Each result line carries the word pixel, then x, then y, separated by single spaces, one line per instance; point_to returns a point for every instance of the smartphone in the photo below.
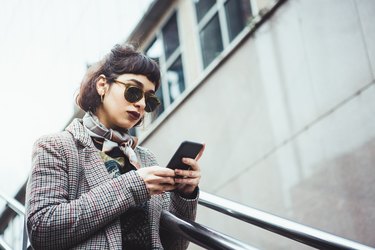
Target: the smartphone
pixel 187 149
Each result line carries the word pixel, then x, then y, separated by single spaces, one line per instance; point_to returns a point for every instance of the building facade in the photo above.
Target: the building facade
pixel 283 95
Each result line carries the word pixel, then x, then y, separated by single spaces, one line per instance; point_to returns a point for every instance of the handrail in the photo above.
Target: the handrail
pixel 200 235
pixel 212 239
pixel 192 231
pixel 4 245
pixel 19 209
pixel 287 228
pixel 15 205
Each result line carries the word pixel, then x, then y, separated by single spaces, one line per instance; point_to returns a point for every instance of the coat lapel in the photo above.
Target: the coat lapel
pixel 94 168
pixel 93 165
pixel 96 174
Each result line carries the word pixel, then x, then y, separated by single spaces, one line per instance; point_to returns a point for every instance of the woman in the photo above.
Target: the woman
pixel 91 186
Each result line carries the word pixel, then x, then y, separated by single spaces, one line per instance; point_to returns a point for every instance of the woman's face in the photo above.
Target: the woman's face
pixel 115 111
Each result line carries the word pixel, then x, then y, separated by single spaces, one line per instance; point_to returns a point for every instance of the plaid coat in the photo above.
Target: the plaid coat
pixel 72 202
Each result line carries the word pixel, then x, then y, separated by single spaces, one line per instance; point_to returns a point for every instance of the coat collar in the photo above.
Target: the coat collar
pixel 79 133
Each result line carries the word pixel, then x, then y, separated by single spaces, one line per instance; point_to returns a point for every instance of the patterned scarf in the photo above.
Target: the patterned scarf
pixel 112 138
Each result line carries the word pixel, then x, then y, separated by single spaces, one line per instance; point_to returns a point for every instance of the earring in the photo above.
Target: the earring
pixel 102 97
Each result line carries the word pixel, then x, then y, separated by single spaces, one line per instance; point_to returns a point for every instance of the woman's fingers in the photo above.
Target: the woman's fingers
pixel 163 172
pixel 187 181
pixel 191 162
pixel 187 173
pixel 161 180
pixel 157 179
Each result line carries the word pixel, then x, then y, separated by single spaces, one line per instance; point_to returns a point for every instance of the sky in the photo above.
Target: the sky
pixel 45 46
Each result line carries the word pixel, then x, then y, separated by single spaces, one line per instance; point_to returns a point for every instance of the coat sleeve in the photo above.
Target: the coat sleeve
pixel 54 221
pixel 179 206
pixel 183 208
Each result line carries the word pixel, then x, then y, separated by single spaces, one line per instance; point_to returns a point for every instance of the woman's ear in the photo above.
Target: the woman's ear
pixel 102 85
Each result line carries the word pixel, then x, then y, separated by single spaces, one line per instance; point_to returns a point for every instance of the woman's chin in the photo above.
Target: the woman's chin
pixel 128 124
pixel 123 126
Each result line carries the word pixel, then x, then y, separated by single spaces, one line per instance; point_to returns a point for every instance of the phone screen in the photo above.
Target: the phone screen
pixel 187 149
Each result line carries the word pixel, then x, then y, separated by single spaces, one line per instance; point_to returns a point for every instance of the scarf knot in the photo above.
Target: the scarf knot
pixel 112 138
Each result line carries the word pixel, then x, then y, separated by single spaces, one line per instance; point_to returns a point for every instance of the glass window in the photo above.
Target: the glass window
pixel 170 36
pixel 155 51
pixel 160 109
pixel 238 13
pixel 175 78
pixel 172 84
pixel 202 6
pixel 211 42
pixel 235 14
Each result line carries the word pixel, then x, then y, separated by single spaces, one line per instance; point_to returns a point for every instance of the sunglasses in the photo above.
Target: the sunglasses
pixel 134 94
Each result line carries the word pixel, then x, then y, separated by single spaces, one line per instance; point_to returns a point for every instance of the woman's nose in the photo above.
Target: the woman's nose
pixel 141 103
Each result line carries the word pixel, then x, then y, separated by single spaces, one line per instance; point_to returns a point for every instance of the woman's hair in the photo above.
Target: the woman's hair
pixel 121 60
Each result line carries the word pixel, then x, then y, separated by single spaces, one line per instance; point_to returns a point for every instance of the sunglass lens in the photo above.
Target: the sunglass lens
pixel 133 94
pixel 152 103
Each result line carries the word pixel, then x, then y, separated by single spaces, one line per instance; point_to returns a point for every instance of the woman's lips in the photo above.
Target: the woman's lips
pixel 134 115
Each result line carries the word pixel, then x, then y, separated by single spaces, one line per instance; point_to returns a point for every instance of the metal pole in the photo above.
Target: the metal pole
pixel 200 235
pixel 290 229
pixel 15 205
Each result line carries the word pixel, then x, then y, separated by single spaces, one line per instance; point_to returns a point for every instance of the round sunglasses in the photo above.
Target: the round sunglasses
pixel 134 93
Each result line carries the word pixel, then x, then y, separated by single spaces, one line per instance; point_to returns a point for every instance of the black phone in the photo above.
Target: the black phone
pixel 187 149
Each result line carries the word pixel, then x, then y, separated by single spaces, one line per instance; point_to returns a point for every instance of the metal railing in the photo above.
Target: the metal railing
pixel 199 234
pixel 211 239
pixel 192 231
pixel 13 204
pixel 292 230
pixel 4 245
pixel 16 208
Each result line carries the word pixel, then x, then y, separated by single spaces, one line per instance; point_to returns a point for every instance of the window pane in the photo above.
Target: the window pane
pixel 175 77
pixel 238 13
pixel 202 6
pixel 155 50
pixel 211 41
pixel 170 36
pixel 160 109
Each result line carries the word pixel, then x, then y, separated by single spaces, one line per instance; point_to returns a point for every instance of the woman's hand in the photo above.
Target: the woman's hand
pixel 157 179
pixel 188 180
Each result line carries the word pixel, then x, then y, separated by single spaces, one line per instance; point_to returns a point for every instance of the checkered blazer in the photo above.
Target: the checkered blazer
pixel 73 203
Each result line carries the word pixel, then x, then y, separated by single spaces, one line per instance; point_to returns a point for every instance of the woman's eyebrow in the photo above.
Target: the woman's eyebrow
pixel 140 84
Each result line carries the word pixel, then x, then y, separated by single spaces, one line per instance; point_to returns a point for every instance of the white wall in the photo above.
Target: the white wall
pixel 289 123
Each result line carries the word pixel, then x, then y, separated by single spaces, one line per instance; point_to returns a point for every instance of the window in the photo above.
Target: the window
pixel 237 14
pixel 171 40
pixel 175 78
pixel 219 22
pixel 211 41
pixel 165 49
pixel 202 7
pixel 155 51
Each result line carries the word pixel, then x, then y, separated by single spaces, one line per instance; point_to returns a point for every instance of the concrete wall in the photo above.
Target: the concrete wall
pixel 289 123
